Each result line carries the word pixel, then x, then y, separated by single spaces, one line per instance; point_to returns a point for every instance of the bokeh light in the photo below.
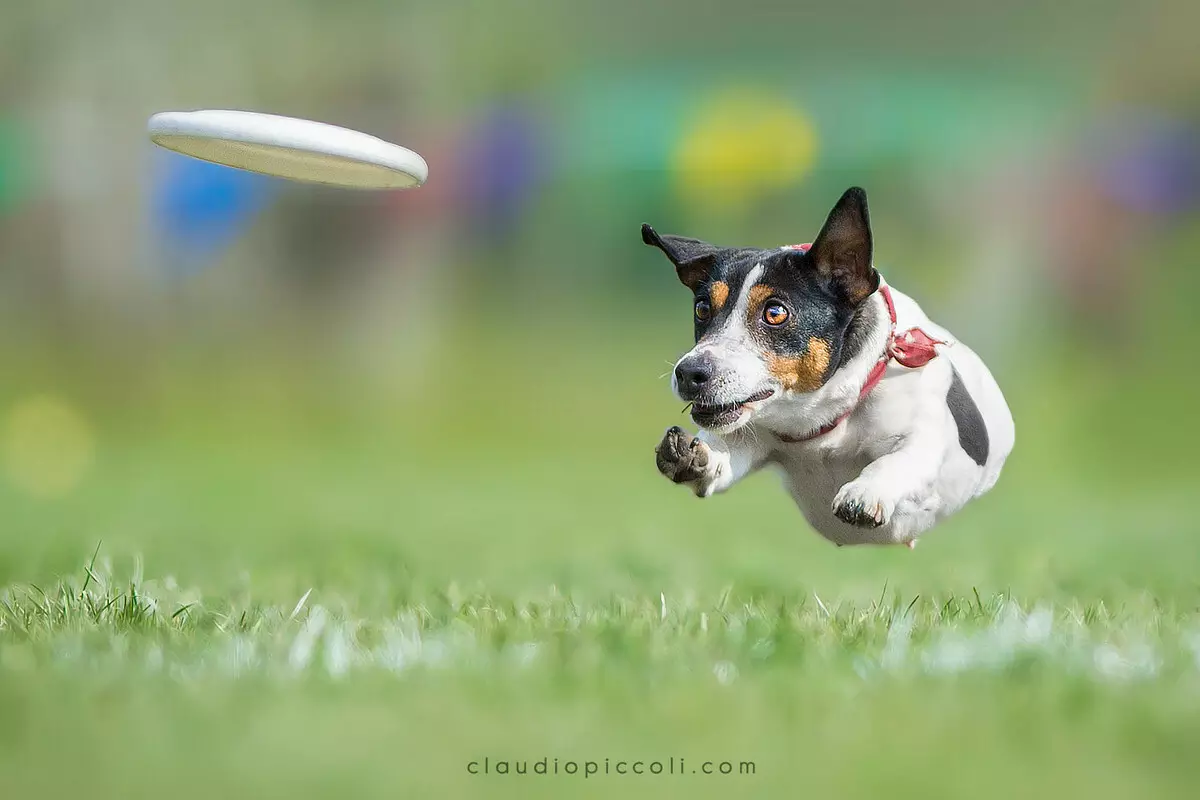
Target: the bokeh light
pixel 48 446
pixel 739 144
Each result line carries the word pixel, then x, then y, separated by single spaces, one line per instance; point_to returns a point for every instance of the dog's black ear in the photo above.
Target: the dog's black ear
pixel 693 259
pixel 842 252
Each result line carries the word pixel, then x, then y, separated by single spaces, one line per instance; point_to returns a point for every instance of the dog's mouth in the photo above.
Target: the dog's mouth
pixel 721 416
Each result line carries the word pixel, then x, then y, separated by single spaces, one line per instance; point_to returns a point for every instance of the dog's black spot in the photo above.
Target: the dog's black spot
pixel 972 433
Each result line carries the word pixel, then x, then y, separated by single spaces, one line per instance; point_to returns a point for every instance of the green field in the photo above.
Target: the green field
pixel 287 580
pixel 256 541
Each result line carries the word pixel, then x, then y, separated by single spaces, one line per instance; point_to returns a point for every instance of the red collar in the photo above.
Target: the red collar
pixel 913 348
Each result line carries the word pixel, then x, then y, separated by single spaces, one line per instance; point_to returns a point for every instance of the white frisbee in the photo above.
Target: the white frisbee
pixel 296 149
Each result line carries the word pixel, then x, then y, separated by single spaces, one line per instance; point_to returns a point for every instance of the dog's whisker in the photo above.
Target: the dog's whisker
pixel 686 408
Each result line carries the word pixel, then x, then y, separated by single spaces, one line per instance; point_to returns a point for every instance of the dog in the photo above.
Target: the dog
pixel 882 422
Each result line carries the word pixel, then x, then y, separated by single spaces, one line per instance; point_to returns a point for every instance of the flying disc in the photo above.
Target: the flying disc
pixel 285 147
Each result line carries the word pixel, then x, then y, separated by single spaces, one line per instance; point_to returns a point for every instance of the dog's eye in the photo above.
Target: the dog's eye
pixel 775 314
pixel 703 310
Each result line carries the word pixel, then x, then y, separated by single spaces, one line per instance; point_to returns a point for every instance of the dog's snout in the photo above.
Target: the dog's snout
pixel 693 374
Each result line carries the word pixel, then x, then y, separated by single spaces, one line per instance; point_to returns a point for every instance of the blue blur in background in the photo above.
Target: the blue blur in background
pixel 200 209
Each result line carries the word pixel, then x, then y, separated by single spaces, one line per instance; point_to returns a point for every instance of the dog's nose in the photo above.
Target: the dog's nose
pixel 693 374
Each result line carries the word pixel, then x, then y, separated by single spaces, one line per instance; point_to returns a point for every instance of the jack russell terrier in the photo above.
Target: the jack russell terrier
pixel 882 422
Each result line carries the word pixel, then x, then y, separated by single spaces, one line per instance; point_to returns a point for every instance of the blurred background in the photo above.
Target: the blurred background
pixel 258 387
pixel 1034 176
pixel 176 333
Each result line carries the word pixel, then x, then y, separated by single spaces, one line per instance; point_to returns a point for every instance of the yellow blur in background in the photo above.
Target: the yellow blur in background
pixel 738 145
pixel 47 446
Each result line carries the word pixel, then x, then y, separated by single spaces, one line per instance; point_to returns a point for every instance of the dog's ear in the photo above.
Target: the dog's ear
pixel 693 259
pixel 842 252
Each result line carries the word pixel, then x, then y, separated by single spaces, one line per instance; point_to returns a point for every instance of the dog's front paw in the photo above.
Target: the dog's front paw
pixel 682 457
pixel 858 505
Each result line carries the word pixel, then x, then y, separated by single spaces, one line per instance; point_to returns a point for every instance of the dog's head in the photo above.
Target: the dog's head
pixel 769 323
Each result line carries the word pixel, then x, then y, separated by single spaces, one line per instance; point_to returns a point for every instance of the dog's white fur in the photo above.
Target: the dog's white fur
pixel 897 455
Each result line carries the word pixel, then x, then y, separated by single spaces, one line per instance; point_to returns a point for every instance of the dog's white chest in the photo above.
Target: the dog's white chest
pixel 813 479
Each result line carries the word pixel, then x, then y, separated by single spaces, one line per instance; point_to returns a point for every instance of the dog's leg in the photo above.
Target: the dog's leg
pixel 869 500
pixel 707 463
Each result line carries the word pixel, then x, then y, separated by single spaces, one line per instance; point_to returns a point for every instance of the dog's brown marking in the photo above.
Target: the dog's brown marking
pixel 860 292
pixel 719 292
pixel 803 373
pixel 759 293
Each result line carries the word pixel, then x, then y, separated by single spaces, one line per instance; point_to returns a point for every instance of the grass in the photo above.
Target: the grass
pixel 324 696
pixel 278 583
pixel 895 638
pixel 1077 695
